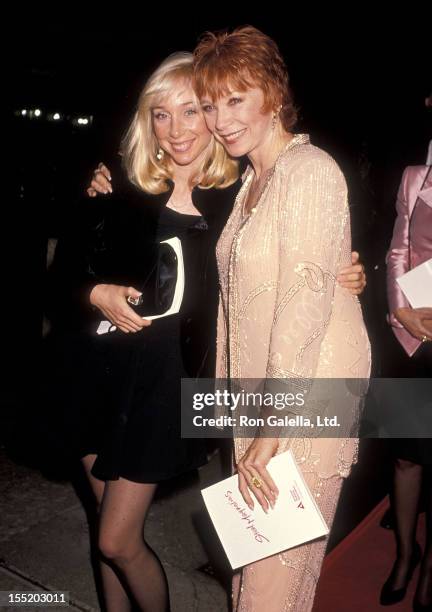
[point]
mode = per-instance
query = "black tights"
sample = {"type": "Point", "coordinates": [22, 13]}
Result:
{"type": "Point", "coordinates": [424, 587]}
{"type": "Point", "coordinates": [407, 486]}
{"type": "Point", "coordinates": [132, 574]}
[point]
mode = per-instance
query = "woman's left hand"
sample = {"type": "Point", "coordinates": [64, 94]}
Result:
{"type": "Point", "coordinates": [353, 277]}
{"type": "Point", "coordinates": [252, 467]}
{"type": "Point", "coordinates": [417, 321]}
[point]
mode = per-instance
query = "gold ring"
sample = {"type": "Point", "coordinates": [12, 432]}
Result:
{"type": "Point", "coordinates": [424, 339]}
{"type": "Point", "coordinates": [256, 482]}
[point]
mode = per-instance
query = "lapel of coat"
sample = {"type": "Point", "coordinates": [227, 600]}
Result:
{"type": "Point", "coordinates": [425, 194]}
{"type": "Point", "coordinates": [415, 185]}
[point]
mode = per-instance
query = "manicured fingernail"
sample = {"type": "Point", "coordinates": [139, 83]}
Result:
{"type": "Point", "coordinates": [250, 506]}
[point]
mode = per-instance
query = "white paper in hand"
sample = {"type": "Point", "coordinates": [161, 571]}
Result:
{"type": "Point", "coordinates": [249, 535]}
{"type": "Point", "coordinates": [417, 285]}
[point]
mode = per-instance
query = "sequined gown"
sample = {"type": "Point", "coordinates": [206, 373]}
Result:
{"type": "Point", "coordinates": [287, 317]}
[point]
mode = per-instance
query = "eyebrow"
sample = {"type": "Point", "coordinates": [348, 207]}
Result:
{"type": "Point", "coordinates": [227, 95]}
{"type": "Point", "coordinates": [163, 108]}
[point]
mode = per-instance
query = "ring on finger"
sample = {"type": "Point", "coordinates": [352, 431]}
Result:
{"type": "Point", "coordinates": [256, 482]}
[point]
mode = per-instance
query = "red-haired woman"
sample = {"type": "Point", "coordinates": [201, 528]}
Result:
{"type": "Point", "coordinates": [281, 312]}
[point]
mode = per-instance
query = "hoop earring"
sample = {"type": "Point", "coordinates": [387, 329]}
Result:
{"type": "Point", "coordinates": [160, 154]}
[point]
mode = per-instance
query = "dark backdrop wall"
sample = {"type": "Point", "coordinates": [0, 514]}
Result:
{"type": "Point", "coordinates": [360, 84]}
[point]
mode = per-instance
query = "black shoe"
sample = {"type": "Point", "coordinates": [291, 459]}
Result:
{"type": "Point", "coordinates": [417, 606]}
{"type": "Point", "coordinates": [391, 596]}
{"type": "Point", "coordinates": [387, 521]}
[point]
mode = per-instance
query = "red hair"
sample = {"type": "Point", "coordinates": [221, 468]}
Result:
{"type": "Point", "coordinates": [240, 60]}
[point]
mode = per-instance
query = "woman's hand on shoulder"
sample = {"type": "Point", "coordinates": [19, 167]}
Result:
{"type": "Point", "coordinates": [101, 181]}
{"type": "Point", "coordinates": [417, 321]}
{"type": "Point", "coordinates": [353, 277]}
{"type": "Point", "coordinates": [252, 469]}
{"type": "Point", "coordinates": [111, 301]}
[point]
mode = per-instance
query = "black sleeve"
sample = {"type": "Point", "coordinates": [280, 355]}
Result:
{"type": "Point", "coordinates": [83, 255]}
{"type": "Point", "coordinates": [76, 267]}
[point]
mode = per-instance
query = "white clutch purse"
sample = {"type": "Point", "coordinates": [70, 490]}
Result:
{"type": "Point", "coordinates": [176, 291]}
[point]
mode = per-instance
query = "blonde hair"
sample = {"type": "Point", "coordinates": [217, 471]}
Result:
{"type": "Point", "coordinates": [140, 147]}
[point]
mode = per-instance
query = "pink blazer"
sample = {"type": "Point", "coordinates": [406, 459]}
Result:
{"type": "Point", "coordinates": [403, 255]}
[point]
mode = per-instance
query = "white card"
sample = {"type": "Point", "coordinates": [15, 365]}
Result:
{"type": "Point", "coordinates": [249, 535]}
{"type": "Point", "coordinates": [417, 285]}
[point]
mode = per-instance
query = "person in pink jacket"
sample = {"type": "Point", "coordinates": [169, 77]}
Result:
{"type": "Point", "coordinates": [411, 246]}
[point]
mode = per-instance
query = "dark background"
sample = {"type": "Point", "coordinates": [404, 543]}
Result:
{"type": "Point", "coordinates": [360, 82]}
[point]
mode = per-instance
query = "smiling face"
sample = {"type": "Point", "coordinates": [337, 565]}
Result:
{"type": "Point", "coordinates": [238, 120]}
{"type": "Point", "coordinates": [179, 125]}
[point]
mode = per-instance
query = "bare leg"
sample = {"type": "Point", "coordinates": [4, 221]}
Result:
{"type": "Point", "coordinates": [124, 508]}
{"type": "Point", "coordinates": [116, 598]}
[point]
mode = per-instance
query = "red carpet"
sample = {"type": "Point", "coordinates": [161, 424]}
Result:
{"type": "Point", "coordinates": [355, 570]}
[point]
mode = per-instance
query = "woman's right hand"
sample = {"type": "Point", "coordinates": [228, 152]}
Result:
{"type": "Point", "coordinates": [111, 301]}
{"type": "Point", "coordinates": [417, 321]}
{"type": "Point", "coordinates": [101, 181]}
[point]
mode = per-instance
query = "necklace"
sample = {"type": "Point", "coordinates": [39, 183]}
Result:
{"type": "Point", "coordinates": [270, 172]}
{"type": "Point", "coordinates": [182, 208]}
{"type": "Point", "coordinates": [268, 176]}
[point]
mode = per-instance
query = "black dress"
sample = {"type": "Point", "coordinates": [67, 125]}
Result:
{"type": "Point", "coordinates": [144, 441]}
{"type": "Point", "coordinates": [415, 450]}
{"type": "Point", "coordinates": [118, 395]}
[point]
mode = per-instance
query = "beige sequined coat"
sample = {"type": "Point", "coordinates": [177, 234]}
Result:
{"type": "Point", "coordinates": [286, 315]}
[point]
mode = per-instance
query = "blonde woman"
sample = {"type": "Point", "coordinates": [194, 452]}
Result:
{"type": "Point", "coordinates": [174, 180]}
{"type": "Point", "coordinates": [180, 181]}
